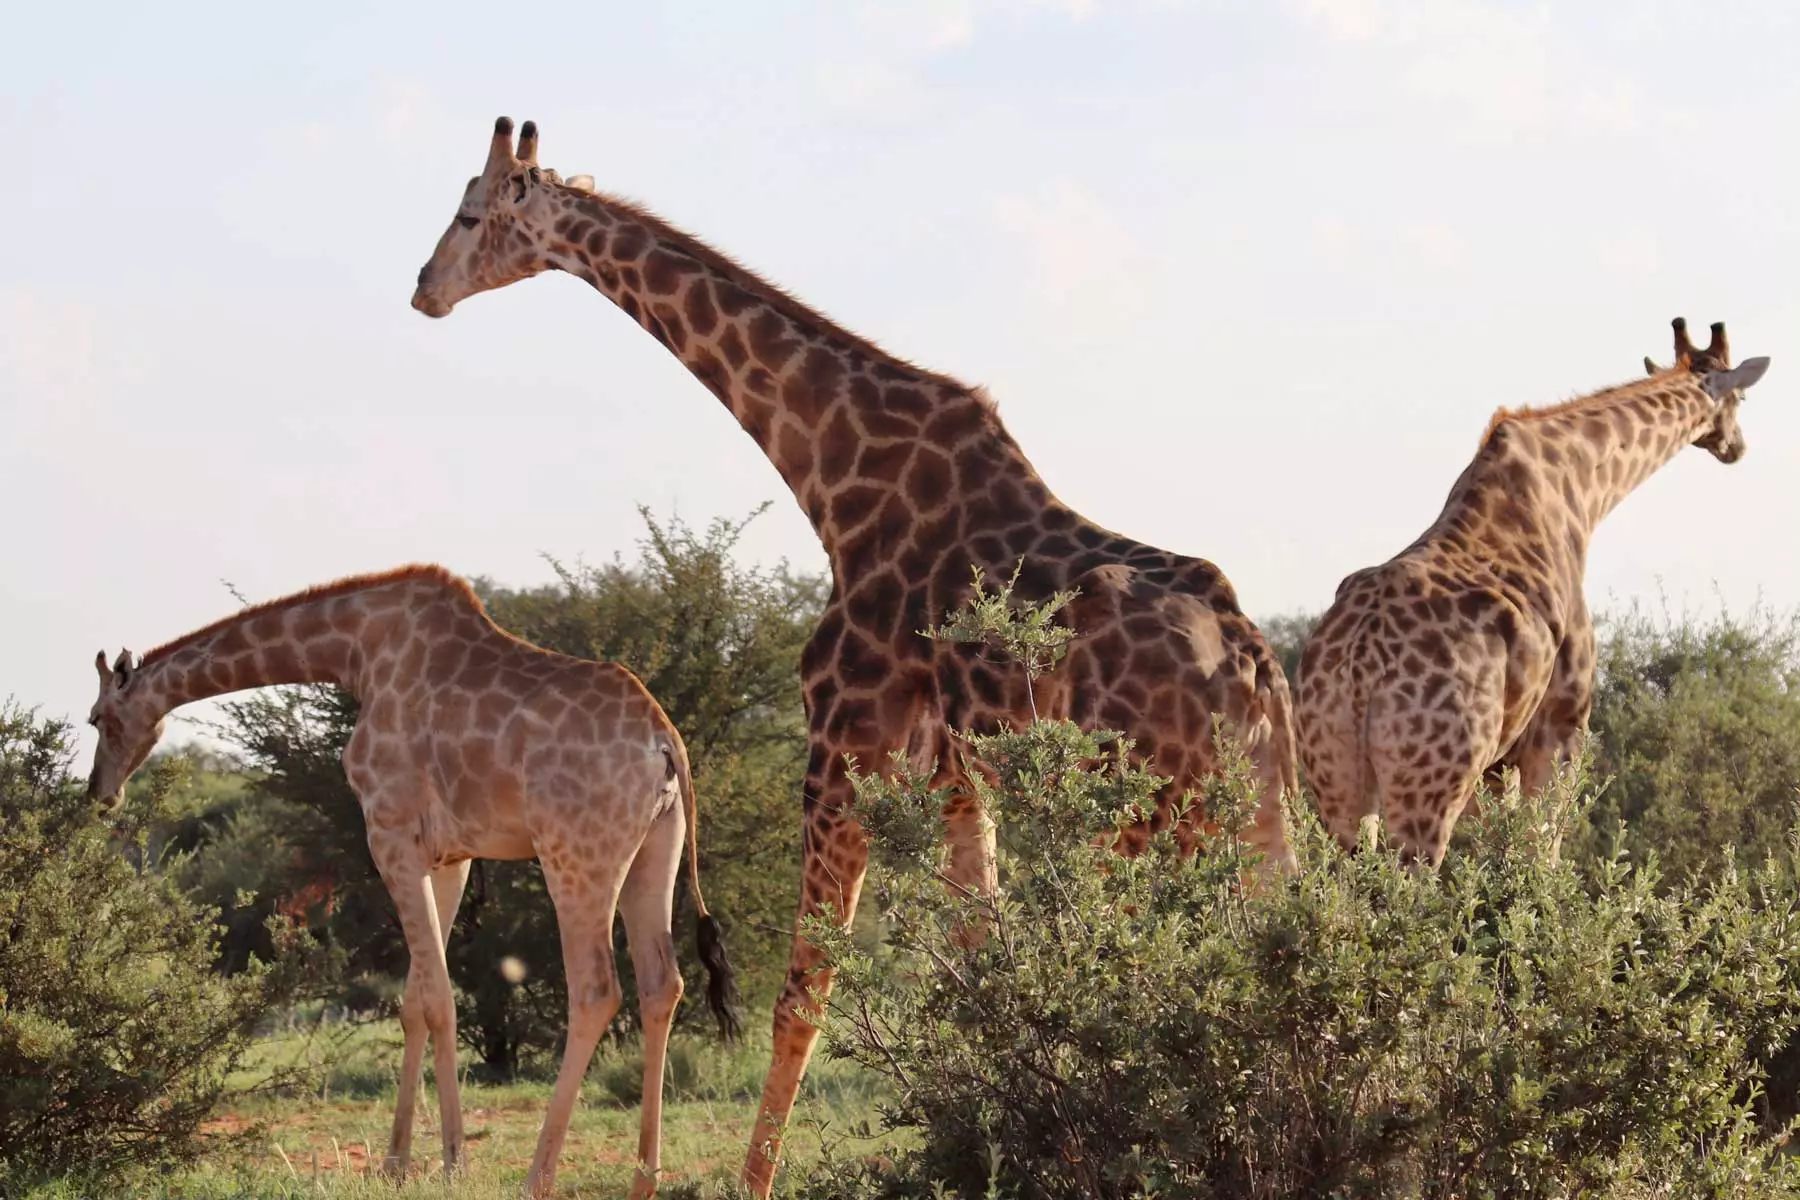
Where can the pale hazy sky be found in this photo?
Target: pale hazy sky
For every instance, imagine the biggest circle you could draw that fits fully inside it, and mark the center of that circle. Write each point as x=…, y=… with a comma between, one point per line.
x=1246, y=279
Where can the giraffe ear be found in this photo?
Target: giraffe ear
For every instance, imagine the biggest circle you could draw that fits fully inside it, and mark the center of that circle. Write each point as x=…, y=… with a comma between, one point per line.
x=581, y=183
x=122, y=668
x=1720, y=384
x=1650, y=367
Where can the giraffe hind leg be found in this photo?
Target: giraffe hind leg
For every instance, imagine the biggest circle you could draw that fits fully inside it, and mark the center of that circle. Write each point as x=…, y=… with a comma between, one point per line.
x=647, y=904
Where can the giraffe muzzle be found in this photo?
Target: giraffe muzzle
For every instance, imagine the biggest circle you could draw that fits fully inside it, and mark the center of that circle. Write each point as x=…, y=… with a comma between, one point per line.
x=428, y=304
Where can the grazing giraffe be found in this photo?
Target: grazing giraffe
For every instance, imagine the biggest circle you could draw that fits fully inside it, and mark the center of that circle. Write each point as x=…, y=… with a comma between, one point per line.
x=471, y=744
x=1472, y=649
x=910, y=479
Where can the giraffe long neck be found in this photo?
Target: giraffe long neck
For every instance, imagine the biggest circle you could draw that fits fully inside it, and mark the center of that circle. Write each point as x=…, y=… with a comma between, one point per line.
x=861, y=437
x=306, y=639
x=1601, y=450
x=1543, y=481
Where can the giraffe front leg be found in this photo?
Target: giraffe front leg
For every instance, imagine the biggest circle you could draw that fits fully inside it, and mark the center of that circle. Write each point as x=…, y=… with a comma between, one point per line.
x=971, y=838
x=427, y=1009
x=833, y=863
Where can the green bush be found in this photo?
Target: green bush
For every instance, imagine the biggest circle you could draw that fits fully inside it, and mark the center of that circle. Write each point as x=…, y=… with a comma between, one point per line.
x=116, y=1036
x=1698, y=726
x=1519, y=1023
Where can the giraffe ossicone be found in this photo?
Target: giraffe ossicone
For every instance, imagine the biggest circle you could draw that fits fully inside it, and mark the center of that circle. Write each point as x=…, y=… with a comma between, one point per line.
x=910, y=480
x=471, y=743
x=1472, y=650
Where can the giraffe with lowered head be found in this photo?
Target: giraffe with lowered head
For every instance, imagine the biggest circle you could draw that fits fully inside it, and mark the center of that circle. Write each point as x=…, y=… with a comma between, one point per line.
x=471, y=744
x=910, y=480
x=1472, y=650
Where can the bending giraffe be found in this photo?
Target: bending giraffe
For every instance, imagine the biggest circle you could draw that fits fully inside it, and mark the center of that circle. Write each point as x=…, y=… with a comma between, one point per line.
x=909, y=479
x=471, y=744
x=1472, y=649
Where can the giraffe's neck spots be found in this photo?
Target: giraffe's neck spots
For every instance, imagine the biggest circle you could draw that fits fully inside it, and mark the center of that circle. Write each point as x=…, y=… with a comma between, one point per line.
x=329, y=635
x=1593, y=453
x=870, y=446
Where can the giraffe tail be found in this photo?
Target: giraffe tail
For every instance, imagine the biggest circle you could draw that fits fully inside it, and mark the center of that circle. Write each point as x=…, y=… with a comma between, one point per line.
x=709, y=938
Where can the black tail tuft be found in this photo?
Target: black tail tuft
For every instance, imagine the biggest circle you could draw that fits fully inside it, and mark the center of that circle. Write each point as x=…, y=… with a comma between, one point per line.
x=721, y=984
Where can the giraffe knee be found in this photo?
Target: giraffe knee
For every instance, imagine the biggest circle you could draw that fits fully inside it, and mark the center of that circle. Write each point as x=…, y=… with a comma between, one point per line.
x=659, y=983
x=426, y=1009
x=593, y=1004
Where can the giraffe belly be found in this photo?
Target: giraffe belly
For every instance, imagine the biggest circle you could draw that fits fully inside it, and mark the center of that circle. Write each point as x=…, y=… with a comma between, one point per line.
x=477, y=827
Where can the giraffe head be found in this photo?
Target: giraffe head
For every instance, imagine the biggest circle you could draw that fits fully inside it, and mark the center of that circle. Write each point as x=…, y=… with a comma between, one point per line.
x=493, y=240
x=1723, y=438
x=129, y=725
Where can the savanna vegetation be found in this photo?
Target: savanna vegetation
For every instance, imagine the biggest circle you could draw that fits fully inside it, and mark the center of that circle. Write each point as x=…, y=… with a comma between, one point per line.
x=1597, y=995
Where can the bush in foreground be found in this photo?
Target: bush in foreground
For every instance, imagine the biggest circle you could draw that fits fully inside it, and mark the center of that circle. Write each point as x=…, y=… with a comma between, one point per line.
x=1516, y=1024
x=116, y=1034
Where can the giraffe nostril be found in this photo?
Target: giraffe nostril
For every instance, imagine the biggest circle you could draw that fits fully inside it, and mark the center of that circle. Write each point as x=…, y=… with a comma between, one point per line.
x=424, y=273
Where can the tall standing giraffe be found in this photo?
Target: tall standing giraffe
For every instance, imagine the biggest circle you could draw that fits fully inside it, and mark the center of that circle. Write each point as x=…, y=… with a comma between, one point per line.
x=1472, y=649
x=471, y=744
x=909, y=479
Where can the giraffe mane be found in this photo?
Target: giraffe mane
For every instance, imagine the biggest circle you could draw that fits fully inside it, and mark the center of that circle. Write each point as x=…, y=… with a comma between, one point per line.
x=428, y=572
x=778, y=297
x=1599, y=399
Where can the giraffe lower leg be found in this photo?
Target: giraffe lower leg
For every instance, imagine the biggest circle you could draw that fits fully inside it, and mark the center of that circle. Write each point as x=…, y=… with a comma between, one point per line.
x=594, y=996
x=834, y=883
x=647, y=905
x=427, y=1012
x=447, y=889
x=972, y=868
x=1267, y=832
x=412, y=1069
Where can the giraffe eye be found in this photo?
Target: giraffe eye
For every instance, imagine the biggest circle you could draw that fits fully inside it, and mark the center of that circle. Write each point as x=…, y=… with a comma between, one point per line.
x=468, y=222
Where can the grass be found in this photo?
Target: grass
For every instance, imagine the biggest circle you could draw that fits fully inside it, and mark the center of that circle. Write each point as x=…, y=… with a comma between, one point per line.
x=326, y=1139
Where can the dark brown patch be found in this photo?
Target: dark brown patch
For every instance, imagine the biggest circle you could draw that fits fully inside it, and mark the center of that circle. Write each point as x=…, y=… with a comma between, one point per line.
x=837, y=448
x=674, y=335
x=793, y=452
x=629, y=242
x=759, y=382
x=703, y=317
x=663, y=271
x=875, y=606
x=1009, y=504
x=772, y=339
x=884, y=462
x=731, y=345
x=852, y=506
x=878, y=423
x=908, y=401
x=928, y=483
x=951, y=424
x=757, y=418
x=733, y=299
x=710, y=371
